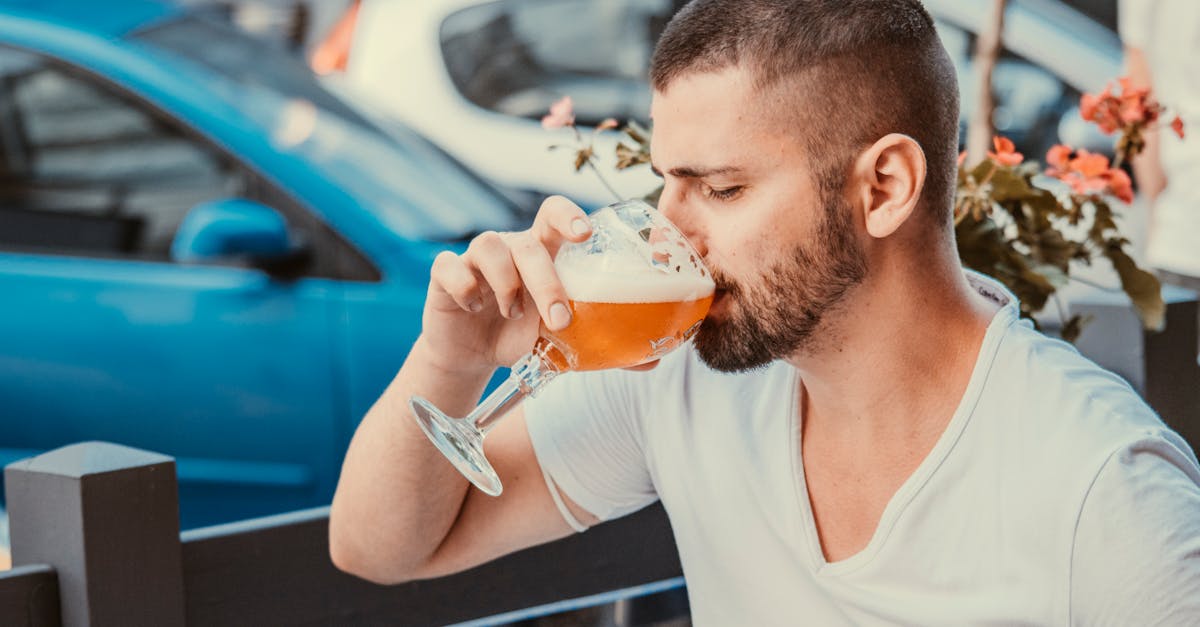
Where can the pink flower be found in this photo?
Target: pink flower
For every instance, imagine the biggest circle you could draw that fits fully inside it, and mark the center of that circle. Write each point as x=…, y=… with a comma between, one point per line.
x=562, y=113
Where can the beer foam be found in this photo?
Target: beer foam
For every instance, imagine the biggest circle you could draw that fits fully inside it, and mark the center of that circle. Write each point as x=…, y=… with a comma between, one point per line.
x=615, y=282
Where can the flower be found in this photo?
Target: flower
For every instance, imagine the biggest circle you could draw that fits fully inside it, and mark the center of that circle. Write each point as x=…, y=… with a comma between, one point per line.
x=1088, y=172
x=1088, y=164
x=1120, y=185
x=1177, y=126
x=562, y=113
x=1006, y=153
x=1058, y=157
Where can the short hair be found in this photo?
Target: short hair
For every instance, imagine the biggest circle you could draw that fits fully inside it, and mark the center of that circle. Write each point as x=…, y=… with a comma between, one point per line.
x=855, y=69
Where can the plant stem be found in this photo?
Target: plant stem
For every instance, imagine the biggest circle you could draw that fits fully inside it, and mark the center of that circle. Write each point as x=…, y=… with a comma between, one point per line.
x=1062, y=314
x=603, y=181
x=1095, y=285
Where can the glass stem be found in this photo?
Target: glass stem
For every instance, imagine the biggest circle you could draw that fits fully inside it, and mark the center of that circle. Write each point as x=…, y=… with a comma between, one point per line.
x=528, y=376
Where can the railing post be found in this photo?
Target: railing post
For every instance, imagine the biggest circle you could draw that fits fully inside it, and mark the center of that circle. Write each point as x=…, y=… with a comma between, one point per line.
x=1161, y=366
x=106, y=517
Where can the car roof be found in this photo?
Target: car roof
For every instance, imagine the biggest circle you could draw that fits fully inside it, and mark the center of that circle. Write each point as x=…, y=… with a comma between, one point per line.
x=105, y=19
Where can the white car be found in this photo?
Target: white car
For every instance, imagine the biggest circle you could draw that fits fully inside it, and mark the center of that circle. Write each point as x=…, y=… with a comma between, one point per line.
x=476, y=76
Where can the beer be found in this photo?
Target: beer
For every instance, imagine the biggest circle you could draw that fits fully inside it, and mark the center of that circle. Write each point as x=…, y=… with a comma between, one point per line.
x=636, y=290
x=624, y=320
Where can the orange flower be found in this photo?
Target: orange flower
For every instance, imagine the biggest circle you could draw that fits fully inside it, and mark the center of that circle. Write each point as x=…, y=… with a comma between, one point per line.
x=1177, y=126
x=1119, y=184
x=1089, y=164
x=1088, y=105
x=1058, y=156
x=1103, y=109
x=1088, y=173
x=1134, y=110
x=562, y=113
x=1005, y=152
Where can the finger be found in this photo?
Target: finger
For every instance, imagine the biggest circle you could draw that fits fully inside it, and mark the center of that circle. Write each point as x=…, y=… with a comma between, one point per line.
x=458, y=281
x=490, y=256
x=536, y=268
x=560, y=219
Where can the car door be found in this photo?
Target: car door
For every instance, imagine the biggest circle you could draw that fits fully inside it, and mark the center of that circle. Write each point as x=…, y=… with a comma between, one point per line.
x=103, y=337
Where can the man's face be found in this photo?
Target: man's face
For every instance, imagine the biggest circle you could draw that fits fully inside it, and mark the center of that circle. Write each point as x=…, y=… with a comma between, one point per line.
x=737, y=182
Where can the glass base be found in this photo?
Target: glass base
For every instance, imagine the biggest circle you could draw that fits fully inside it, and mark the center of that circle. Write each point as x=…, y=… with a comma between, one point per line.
x=460, y=442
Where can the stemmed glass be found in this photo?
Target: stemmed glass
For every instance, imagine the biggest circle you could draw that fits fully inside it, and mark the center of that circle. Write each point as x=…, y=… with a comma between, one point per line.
x=636, y=290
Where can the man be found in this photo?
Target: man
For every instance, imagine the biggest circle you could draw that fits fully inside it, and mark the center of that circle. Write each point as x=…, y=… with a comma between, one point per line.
x=1162, y=53
x=861, y=433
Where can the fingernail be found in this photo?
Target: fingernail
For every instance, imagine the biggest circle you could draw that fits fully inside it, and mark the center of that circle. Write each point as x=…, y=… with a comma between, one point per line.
x=475, y=306
x=559, y=316
x=515, y=312
x=579, y=226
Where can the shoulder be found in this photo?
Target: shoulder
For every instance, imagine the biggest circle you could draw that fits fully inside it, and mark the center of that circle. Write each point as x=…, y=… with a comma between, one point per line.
x=1048, y=381
x=1136, y=551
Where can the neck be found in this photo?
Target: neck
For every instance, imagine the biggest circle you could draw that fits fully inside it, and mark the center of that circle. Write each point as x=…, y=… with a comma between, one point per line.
x=895, y=361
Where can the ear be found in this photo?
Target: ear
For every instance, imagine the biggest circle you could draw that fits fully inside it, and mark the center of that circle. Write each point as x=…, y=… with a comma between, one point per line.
x=890, y=176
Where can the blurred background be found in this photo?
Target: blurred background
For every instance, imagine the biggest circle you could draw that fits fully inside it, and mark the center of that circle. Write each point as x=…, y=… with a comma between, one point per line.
x=217, y=217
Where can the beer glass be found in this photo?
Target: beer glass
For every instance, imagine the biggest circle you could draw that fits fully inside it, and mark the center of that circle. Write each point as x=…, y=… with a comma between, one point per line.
x=636, y=290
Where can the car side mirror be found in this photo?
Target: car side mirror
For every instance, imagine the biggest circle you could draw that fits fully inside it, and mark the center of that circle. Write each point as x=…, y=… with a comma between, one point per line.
x=238, y=231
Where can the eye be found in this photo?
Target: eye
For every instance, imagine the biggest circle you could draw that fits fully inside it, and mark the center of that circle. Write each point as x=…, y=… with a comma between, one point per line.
x=728, y=193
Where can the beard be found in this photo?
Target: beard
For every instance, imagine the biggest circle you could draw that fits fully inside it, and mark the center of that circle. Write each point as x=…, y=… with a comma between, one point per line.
x=778, y=315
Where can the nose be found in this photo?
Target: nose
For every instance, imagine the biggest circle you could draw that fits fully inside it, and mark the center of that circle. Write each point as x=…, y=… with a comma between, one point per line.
x=675, y=209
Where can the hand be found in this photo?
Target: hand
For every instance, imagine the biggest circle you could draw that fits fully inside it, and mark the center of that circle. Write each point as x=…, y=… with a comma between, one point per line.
x=484, y=307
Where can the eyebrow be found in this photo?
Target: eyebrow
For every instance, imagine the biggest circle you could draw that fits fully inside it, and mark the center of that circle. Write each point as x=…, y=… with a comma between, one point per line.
x=695, y=172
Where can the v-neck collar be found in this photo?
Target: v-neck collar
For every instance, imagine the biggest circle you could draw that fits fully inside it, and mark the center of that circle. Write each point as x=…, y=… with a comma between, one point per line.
x=1003, y=319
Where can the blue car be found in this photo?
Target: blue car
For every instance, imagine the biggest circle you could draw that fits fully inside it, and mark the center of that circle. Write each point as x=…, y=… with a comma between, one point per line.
x=203, y=252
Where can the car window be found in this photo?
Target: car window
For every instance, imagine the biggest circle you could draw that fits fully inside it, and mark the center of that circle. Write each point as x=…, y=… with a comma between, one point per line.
x=85, y=171
x=414, y=187
x=517, y=57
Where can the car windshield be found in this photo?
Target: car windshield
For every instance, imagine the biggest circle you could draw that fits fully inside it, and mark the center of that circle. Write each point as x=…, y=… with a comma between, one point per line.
x=415, y=189
x=517, y=57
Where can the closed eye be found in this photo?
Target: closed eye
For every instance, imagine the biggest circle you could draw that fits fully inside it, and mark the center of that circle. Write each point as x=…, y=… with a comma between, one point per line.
x=728, y=193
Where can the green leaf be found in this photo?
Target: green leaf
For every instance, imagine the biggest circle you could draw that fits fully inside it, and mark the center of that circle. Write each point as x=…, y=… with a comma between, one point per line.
x=582, y=157
x=637, y=133
x=1009, y=185
x=1074, y=326
x=628, y=156
x=981, y=170
x=1142, y=287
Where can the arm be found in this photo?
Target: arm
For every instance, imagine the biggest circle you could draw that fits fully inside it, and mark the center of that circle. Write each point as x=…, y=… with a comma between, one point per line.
x=1147, y=166
x=401, y=511
x=1136, y=559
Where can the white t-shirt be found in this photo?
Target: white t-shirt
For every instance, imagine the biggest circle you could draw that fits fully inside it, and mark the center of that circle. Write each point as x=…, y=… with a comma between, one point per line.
x=1054, y=496
x=1168, y=33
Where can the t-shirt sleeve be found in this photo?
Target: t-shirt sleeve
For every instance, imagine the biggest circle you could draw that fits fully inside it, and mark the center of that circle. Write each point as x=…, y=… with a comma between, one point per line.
x=1133, y=21
x=1136, y=558
x=587, y=433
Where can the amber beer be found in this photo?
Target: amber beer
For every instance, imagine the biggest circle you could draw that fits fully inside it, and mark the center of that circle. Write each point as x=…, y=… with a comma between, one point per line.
x=623, y=321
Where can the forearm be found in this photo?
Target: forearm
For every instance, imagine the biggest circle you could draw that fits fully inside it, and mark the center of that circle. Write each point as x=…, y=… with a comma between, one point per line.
x=398, y=496
x=1147, y=166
